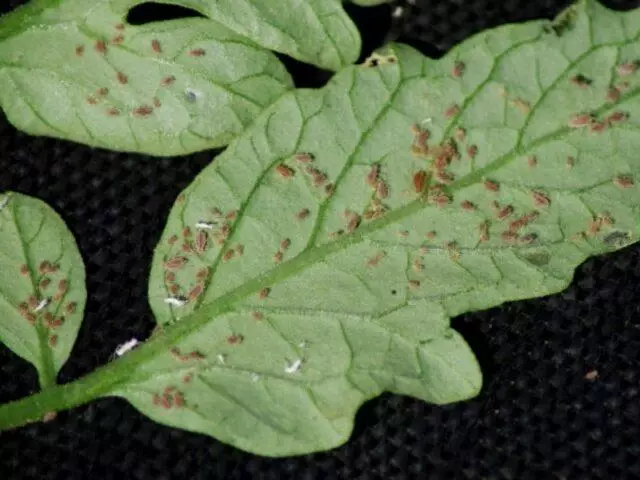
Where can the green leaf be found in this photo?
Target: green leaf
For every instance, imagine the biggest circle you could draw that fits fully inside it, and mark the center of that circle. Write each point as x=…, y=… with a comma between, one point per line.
x=42, y=284
x=72, y=69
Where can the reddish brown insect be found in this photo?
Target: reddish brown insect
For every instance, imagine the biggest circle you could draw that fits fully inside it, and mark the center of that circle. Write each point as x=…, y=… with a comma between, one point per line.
x=176, y=263
x=101, y=47
x=112, y=112
x=580, y=81
x=509, y=237
x=613, y=95
x=623, y=181
x=196, y=355
x=458, y=69
x=23, y=308
x=451, y=111
x=354, y=223
x=304, y=157
x=444, y=177
x=528, y=239
x=417, y=265
x=523, y=221
x=119, y=26
x=24, y=270
x=231, y=215
x=627, y=68
x=484, y=231
x=202, y=239
x=79, y=50
x=172, y=239
x=235, y=339
x=580, y=120
x=30, y=318
x=53, y=340
x=441, y=162
x=375, y=260
x=264, y=293
x=187, y=247
x=165, y=402
x=143, y=111
x=441, y=200
x=92, y=100
x=187, y=378
x=168, y=80
x=174, y=289
x=419, y=150
x=257, y=316
x=71, y=308
x=239, y=250
x=44, y=283
x=468, y=206
x=382, y=190
x=58, y=322
x=532, y=161
x=284, y=171
x=540, y=199
x=597, y=127
x=505, y=212
x=32, y=302
x=472, y=151
x=202, y=274
x=187, y=232
x=117, y=40
x=372, y=176
x=63, y=286
x=278, y=256
x=155, y=46
x=228, y=255
x=178, y=400
x=413, y=284
x=286, y=243
x=122, y=78
x=419, y=181
x=197, y=52
x=491, y=186
x=617, y=117
x=329, y=189
x=195, y=293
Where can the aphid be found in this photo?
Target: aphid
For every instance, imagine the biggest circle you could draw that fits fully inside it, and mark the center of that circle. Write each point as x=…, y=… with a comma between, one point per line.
x=444, y=177
x=31, y=318
x=91, y=100
x=285, y=243
x=194, y=293
x=423, y=250
x=165, y=402
x=419, y=181
x=540, y=199
x=593, y=227
x=175, y=301
x=627, y=68
x=431, y=234
x=63, y=286
x=176, y=263
x=417, y=265
x=468, y=206
x=372, y=176
x=187, y=247
x=509, y=237
x=41, y=305
x=264, y=293
x=23, y=308
x=375, y=260
x=126, y=347
x=284, y=171
x=505, y=212
x=580, y=120
x=403, y=233
x=622, y=86
x=112, y=112
x=44, y=283
x=178, y=400
x=231, y=215
x=354, y=223
x=597, y=127
x=228, y=255
x=304, y=157
x=168, y=80
x=101, y=46
x=617, y=117
x=202, y=239
x=187, y=378
x=101, y=92
x=293, y=367
x=71, y=308
x=441, y=200
x=197, y=52
x=172, y=239
x=156, y=102
x=319, y=179
x=413, y=284
x=521, y=105
x=195, y=355
x=441, y=162
x=570, y=162
x=156, y=400
x=257, y=316
x=32, y=302
x=472, y=151
x=532, y=161
x=454, y=252
x=53, y=340
x=45, y=267
x=122, y=78
x=24, y=269
x=458, y=69
x=117, y=40
x=523, y=221
x=329, y=189
x=484, y=231
x=143, y=111
x=187, y=232
x=277, y=257
x=613, y=95
x=580, y=80
x=155, y=46
x=119, y=26
x=451, y=111
x=623, y=181
x=491, y=186
x=419, y=150
x=79, y=50
x=174, y=289
x=239, y=250
x=528, y=239
x=235, y=339
x=460, y=134
x=382, y=190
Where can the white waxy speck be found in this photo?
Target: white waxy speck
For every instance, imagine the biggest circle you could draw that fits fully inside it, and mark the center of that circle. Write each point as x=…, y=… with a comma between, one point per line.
x=426, y=120
x=43, y=304
x=175, y=301
x=303, y=344
x=255, y=377
x=293, y=367
x=397, y=12
x=222, y=358
x=202, y=225
x=4, y=202
x=126, y=347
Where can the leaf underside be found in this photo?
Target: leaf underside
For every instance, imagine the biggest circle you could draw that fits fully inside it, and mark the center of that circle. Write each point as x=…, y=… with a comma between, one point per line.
x=42, y=284
x=76, y=71
x=328, y=265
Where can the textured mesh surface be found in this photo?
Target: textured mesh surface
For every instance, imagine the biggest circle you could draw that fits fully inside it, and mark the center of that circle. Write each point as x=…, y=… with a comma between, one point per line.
x=537, y=416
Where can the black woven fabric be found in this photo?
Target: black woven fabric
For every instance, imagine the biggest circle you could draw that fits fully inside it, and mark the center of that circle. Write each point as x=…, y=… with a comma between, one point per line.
x=537, y=416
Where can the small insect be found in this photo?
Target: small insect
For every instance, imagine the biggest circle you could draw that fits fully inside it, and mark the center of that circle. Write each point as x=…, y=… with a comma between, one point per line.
x=202, y=225
x=627, y=68
x=239, y=250
x=178, y=400
x=617, y=117
x=167, y=81
x=623, y=181
x=528, y=239
x=264, y=293
x=454, y=252
x=570, y=162
x=509, y=237
x=187, y=378
x=63, y=286
x=91, y=100
x=79, y=50
x=117, y=40
x=580, y=80
x=122, y=78
x=580, y=120
x=286, y=243
x=521, y=105
x=71, y=308
x=53, y=340
x=143, y=111
x=597, y=127
x=431, y=234
x=235, y=339
x=491, y=185
x=591, y=375
x=155, y=46
x=187, y=232
x=354, y=223
x=41, y=305
x=419, y=181
x=44, y=283
x=523, y=221
x=460, y=134
x=472, y=151
x=119, y=26
x=382, y=190
x=228, y=255
x=505, y=212
x=413, y=284
x=202, y=239
x=278, y=256
x=112, y=112
x=101, y=47
x=417, y=265
x=375, y=260
x=304, y=157
x=540, y=199
x=195, y=293
x=176, y=263
x=175, y=301
x=257, y=316
x=444, y=177
x=126, y=347
x=24, y=269
x=532, y=161
x=452, y=111
x=441, y=200
x=197, y=52
x=284, y=171
x=458, y=69
x=30, y=318
x=468, y=206
x=613, y=95
x=293, y=367
x=484, y=231
x=372, y=176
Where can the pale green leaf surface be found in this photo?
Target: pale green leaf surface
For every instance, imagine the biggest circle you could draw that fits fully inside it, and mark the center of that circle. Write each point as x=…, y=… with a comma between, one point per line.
x=368, y=310
x=31, y=234
x=167, y=88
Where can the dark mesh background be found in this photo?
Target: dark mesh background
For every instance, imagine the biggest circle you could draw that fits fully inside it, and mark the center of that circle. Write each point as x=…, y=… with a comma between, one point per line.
x=537, y=416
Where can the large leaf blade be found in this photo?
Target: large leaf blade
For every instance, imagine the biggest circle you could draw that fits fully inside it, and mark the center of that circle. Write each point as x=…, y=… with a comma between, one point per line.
x=42, y=284
x=366, y=303
x=74, y=70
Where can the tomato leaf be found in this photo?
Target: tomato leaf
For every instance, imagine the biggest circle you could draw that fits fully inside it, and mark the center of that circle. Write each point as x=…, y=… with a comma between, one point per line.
x=73, y=69
x=42, y=284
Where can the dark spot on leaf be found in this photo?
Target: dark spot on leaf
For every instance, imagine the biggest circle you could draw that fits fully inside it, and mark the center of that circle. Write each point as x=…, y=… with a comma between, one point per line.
x=539, y=259
x=190, y=95
x=394, y=291
x=617, y=238
x=149, y=12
